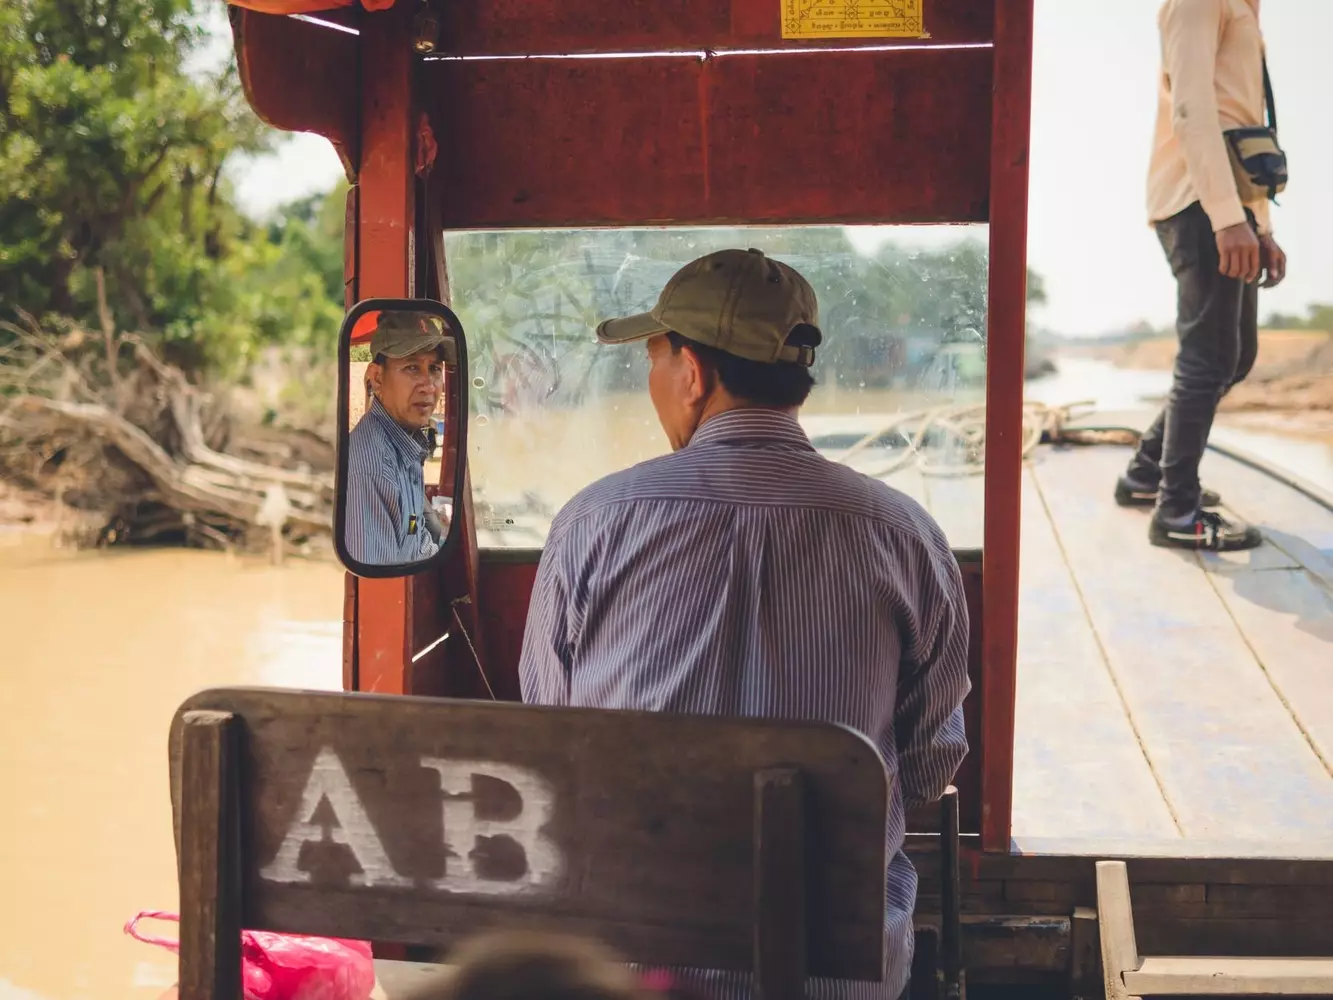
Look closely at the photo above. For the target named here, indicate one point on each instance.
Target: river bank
(1284, 410)
(1291, 386)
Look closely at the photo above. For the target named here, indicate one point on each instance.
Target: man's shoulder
(893, 510)
(367, 429)
(368, 449)
(1171, 10)
(829, 487)
(613, 492)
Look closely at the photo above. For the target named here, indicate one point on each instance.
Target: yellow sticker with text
(852, 19)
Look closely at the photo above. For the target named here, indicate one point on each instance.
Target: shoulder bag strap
(1268, 99)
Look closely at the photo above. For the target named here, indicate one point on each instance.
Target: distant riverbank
(1284, 411)
(1291, 387)
(1299, 441)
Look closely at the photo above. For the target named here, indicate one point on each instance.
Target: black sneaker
(1128, 493)
(1205, 531)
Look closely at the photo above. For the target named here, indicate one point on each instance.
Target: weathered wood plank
(1287, 618)
(715, 138)
(1115, 921)
(515, 27)
(1079, 770)
(1231, 761)
(779, 884)
(1085, 952)
(1217, 868)
(1288, 936)
(1223, 976)
(1031, 943)
(416, 820)
(1221, 850)
(396, 980)
(210, 872)
(1292, 522)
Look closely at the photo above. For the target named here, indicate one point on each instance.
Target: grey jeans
(1217, 322)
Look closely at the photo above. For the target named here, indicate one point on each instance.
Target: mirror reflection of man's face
(409, 388)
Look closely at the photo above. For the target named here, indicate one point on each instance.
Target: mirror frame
(458, 432)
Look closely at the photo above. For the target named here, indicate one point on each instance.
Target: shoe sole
(1132, 498)
(1168, 541)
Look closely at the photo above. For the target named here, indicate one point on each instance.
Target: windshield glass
(900, 376)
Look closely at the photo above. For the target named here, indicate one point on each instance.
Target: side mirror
(402, 435)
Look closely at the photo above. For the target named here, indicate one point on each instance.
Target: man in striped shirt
(389, 522)
(744, 574)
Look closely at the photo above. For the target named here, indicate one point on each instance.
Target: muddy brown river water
(100, 648)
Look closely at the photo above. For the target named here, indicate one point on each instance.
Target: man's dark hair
(778, 384)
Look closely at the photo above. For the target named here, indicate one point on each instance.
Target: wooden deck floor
(1168, 702)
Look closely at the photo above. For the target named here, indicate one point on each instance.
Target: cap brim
(425, 344)
(631, 328)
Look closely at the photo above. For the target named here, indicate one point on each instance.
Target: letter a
(329, 781)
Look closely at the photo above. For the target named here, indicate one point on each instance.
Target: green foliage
(1317, 317)
(112, 159)
(283, 284)
(529, 300)
(1036, 289)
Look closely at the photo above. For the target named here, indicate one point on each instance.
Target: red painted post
(1007, 324)
(384, 265)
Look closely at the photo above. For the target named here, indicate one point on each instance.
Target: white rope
(963, 429)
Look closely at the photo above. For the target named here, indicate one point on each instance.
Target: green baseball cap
(738, 301)
(402, 334)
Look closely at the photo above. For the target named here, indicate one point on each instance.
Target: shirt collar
(410, 446)
(765, 425)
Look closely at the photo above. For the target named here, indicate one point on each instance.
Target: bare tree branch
(148, 430)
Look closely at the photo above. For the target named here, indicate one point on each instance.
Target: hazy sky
(1094, 97)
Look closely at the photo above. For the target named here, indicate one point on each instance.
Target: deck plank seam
(1272, 683)
(1101, 648)
(1320, 580)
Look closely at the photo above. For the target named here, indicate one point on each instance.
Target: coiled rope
(958, 437)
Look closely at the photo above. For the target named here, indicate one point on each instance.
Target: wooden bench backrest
(676, 839)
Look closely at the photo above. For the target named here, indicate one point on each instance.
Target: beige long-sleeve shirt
(1211, 80)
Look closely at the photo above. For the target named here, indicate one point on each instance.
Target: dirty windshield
(900, 377)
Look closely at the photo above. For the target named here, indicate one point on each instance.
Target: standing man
(747, 575)
(1212, 80)
(388, 520)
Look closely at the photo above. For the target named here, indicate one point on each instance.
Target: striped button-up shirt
(386, 492)
(748, 575)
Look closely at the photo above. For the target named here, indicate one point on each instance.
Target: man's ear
(698, 376)
(375, 375)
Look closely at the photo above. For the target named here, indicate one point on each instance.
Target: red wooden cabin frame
(696, 130)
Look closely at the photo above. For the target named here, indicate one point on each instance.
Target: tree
(1036, 289)
(530, 300)
(1317, 317)
(114, 202)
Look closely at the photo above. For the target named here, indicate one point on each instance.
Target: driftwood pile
(104, 426)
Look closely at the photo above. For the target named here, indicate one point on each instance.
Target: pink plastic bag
(288, 966)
